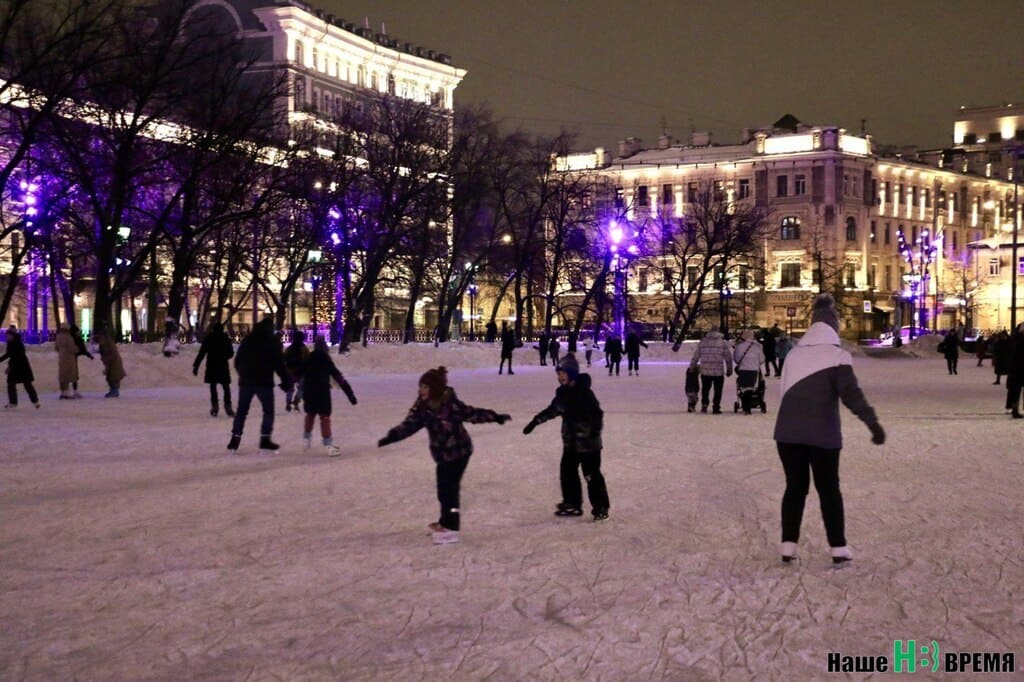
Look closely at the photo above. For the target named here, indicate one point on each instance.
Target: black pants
(569, 476)
(706, 383)
(951, 364)
(588, 354)
(12, 392)
(770, 363)
(614, 362)
(633, 362)
(1013, 391)
(246, 393)
(501, 367)
(227, 395)
(449, 477)
(800, 462)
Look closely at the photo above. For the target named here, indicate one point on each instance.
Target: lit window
(993, 267)
(799, 185)
(789, 275)
(851, 229)
(790, 228)
(744, 189)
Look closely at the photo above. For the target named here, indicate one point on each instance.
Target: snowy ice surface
(132, 546)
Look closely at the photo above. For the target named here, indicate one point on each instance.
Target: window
(956, 240)
(887, 235)
(970, 138)
(799, 185)
(619, 201)
(782, 186)
(874, 233)
(1020, 266)
(691, 277)
(744, 189)
(691, 192)
(666, 195)
(851, 275)
(872, 276)
(927, 197)
(790, 228)
(888, 278)
(995, 137)
(719, 190)
(744, 277)
(993, 267)
(913, 233)
(851, 229)
(667, 274)
(641, 275)
(641, 196)
(789, 275)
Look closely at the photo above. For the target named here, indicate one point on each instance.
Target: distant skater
(217, 350)
(318, 370)
(508, 344)
(19, 370)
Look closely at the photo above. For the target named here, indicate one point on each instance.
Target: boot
(213, 411)
(267, 444)
(235, 440)
(227, 409)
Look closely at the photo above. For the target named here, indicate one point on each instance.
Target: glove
(195, 371)
(385, 441)
(502, 418)
(728, 372)
(528, 429)
(877, 434)
(349, 393)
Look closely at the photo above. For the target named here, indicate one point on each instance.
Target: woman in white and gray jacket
(817, 374)
(748, 356)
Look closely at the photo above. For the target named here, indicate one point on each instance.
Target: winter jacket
(768, 345)
(508, 343)
(19, 371)
(633, 343)
(950, 346)
(295, 356)
(713, 354)
(318, 370)
(748, 356)
(1002, 352)
(582, 417)
(613, 348)
(449, 440)
(218, 350)
(783, 346)
(259, 357)
(817, 374)
(67, 357)
(113, 368)
(692, 386)
(171, 346)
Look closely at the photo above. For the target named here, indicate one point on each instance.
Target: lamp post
(472, 288)
(923, 259)
(313, 258)
(1018, 153)
(725, 297)
(621, 251)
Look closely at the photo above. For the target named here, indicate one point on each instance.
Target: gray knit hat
(824, 310)
(569, 365)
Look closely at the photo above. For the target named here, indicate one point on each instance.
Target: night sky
(611, 69)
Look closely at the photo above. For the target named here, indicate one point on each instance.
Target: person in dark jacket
(317, 372)
(950, 349)
(692, 387)
(554, 346)
(1015, 372)
(440, 411)
(582, 422)
(1001, 353)
(19, 371)
(295, 356)
(491, 333)
(217, 349)
(542, 348)
(817, 375)
(613, 354)
(633, 344)
(113, 367)
(768, 347)
(259, 357)
(76, 336)
(508, 344)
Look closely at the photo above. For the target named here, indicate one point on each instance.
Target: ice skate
(841, 555)
(446, 537)
(332, 450)
(788, 551)
(267, 445)
(234, 442)
(600, 515)
(568, 510)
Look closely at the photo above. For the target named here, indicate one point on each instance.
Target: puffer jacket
(749, 356)
(818, 374)
(449, 440)
(582, 417)
(713, 355)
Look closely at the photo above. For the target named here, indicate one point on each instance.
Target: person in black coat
(258, 359)
(613, 354)
(768, 347)
(633, 344)
(295, 356)
(1015, 371)
(19, 371)
(491, 333)
(950, 349)
(317, 372)
(508, 344)
(542, 348)
(1001, 352)
(217, 349)
(554, 346)
(582, 422)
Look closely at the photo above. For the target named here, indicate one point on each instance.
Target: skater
(492, 332)
(19, 370)
(295, 356)
(171, 344)
(76, 336)
(1001, 353)
(554, 346)
(508, 344)
(67, 361)
(950, 349)
(258, 358)
(692, 387)
(542, 348)
(1015, 372)
(782, 347)
(816, 376)
(588, 349)
(570, 343)
(440, 411)
(769, 347)
(582, 421)
(613, 354)
(633, 344)
(113, 368)
(217, 349)
(980, 346)
(318, 370)
(748, 357)
(714, 357)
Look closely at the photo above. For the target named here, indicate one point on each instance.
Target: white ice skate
(446, 537)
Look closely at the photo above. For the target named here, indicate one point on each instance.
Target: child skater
(318, 370)
(439, 410)
(692, 387)
(582, 420)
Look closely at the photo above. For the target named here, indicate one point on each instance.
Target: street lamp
(923, 258)
(313, 258)
(725, 296)
(472, 288)
(621, 251)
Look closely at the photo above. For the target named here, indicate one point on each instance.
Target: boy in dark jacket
(217, 350)
(257, 360)
(439, 410)
(582, 421)
(295, 356)
(692, 387)
(318, 371)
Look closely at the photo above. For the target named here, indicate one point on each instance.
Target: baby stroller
(749, 392)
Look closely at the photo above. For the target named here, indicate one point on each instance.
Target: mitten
(528, 429)
(877, 433)
(195, 371)
(728, 372)
(349, 393)
(502, 418)
(385, 441)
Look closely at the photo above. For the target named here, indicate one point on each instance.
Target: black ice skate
(235, 440)
(267, 444)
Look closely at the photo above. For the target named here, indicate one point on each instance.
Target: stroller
(749, 392)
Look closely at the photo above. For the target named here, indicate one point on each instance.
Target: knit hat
(569, 365)
(436, 380)
(824, 310)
